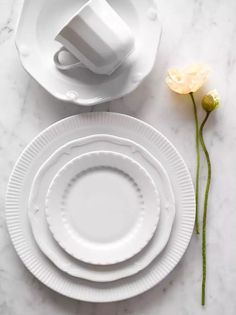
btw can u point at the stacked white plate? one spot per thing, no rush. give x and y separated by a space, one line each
100 207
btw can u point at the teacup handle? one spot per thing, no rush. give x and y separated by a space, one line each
60 66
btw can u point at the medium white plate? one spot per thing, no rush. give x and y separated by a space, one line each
41 148
102 207
40 22
40 228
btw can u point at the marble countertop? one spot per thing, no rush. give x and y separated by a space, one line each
193 31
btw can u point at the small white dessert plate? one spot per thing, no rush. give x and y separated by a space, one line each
41 20
102 207
40 227
41 148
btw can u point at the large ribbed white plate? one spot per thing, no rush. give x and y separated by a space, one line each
39 224
102 207
41 20
41 148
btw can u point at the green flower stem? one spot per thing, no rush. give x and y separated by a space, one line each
204 258
198 164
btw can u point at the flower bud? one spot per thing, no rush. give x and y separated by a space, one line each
211 101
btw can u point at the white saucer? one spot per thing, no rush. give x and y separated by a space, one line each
41 20
40 228
102 207
22 178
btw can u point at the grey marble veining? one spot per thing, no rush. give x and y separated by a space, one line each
193 31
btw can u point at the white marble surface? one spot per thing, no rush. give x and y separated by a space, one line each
193 31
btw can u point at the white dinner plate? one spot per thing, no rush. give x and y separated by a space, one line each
102 207
40 228
41 20
41 148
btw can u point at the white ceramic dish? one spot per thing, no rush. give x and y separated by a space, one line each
40 228
102 207
41 148
39 24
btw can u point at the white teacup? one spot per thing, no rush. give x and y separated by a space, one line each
98 37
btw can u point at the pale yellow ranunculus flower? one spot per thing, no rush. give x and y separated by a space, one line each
187 80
